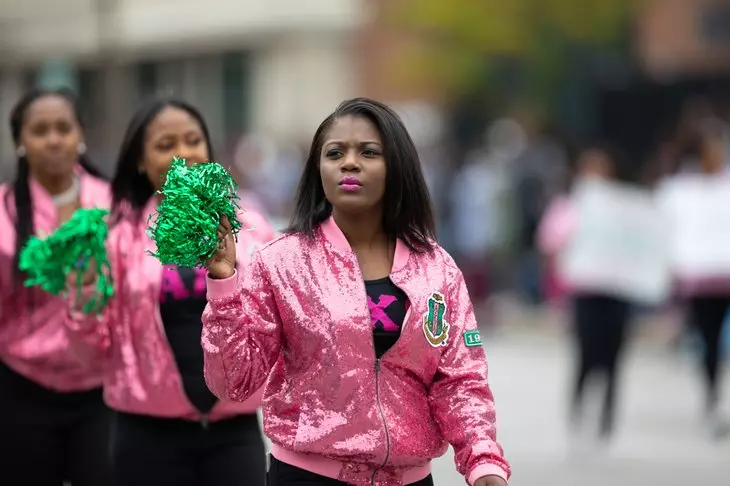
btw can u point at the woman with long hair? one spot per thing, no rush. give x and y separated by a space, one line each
169 429
357 321
53 422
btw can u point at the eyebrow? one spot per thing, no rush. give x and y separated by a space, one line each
340 142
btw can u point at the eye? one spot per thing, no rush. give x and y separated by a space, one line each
333 153
39 130
370 153
65 128
194 140
165 146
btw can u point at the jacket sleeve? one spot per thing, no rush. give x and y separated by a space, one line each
241 333
88 334
460 397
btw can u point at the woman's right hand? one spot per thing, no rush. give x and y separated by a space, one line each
223 262
88 278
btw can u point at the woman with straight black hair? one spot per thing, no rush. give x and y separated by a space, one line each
357 321
170 429
54 426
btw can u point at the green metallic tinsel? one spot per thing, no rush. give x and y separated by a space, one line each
194 198
48 261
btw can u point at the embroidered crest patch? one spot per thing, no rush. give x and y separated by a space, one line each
435 327
472 338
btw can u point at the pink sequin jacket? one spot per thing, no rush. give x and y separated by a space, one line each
299 316
140 373
33 342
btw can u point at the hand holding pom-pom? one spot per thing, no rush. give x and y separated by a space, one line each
190 218
223 262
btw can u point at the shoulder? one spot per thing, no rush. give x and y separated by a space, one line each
284 246
257 226
98 190
94 183
437 260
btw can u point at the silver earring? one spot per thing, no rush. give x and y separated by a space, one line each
20 151
81 149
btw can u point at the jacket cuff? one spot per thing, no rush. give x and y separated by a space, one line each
486 470
218 288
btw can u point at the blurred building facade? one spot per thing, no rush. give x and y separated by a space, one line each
678 38
266 65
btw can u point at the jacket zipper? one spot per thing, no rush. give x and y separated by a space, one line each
382 417
377 385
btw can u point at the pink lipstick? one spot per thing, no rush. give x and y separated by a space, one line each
350 184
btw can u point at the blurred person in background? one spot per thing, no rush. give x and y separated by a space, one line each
359 323
478 195
702 157
599 321
170 429
269 171
54 426
540 173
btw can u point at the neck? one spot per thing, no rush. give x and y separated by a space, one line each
364 231
55 185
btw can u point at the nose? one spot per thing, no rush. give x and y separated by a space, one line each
192 155
53 139
350 162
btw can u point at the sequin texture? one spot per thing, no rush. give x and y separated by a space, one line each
33 342
298 316
140 372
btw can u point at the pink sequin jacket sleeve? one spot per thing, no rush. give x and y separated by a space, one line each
461 399
243 324
90 333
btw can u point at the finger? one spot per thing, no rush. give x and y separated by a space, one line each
225 223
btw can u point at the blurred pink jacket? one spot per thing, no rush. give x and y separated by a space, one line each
140 372
299 316
33 342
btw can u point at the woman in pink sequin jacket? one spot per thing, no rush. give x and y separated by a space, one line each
170 430
54 426
357 322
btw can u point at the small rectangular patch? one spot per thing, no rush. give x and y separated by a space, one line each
472 338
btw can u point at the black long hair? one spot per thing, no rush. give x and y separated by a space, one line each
23 205
407 209
130 189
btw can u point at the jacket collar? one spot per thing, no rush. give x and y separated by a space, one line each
337 238
43 201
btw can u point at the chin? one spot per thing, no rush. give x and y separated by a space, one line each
351 207
59 169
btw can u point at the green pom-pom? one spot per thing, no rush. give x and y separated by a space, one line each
194 199
47 262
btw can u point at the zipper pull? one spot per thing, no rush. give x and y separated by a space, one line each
204 422
377 365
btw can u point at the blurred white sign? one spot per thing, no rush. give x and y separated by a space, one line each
619 244
698 208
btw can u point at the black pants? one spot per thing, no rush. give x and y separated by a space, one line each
283 474
600 328
47 438
149 451
707 316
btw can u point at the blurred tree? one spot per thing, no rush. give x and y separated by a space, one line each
462 44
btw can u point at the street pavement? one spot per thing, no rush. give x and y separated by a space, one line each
660 439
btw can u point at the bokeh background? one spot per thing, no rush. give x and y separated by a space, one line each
498 95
